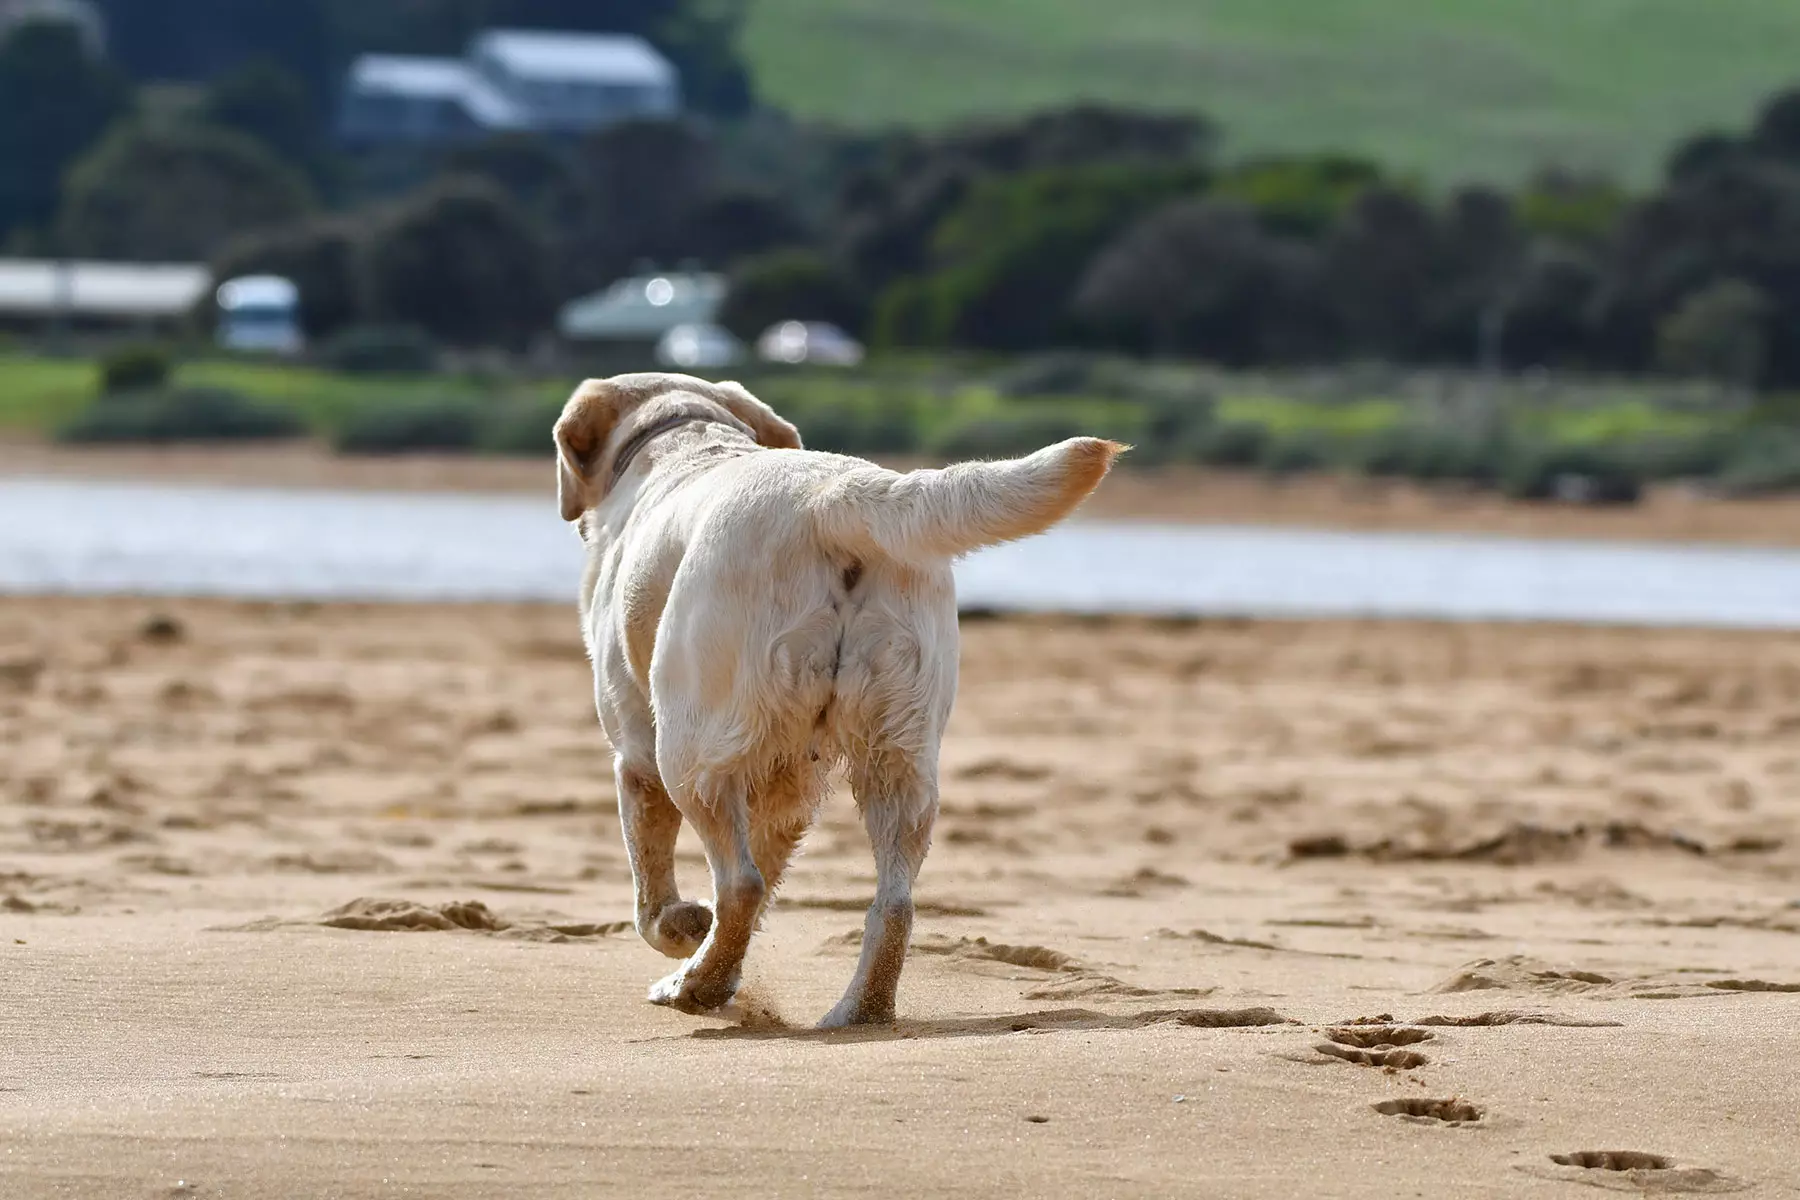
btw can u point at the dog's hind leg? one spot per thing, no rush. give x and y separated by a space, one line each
899 803
718 811
651 823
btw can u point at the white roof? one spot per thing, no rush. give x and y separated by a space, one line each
447 79
410 75
258 291
575 57
31 286
644 306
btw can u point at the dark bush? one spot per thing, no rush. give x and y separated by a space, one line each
1057 373
404 426
1175 429
183 415
790 285
1005 436
1427 452
1231 444
1572 474
850 429
135 368
1296 454
380 349
522 428
1764 464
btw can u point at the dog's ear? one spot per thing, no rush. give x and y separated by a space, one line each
587 421
766 425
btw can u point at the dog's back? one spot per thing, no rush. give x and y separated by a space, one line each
814 611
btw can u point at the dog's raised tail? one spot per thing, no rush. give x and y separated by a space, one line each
927 516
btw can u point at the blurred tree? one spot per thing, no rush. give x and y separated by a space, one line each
888 209
1571 206
1201 277
265 101
321 257
55 102
1012 253
1703 152
1383 262
1548 322
1303 195
1776 133
790 285
461 261
530 168
1720 332
735 223
203 39
639 184
176 194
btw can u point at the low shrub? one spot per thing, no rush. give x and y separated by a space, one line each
521 428
1005 436
1765 464
859 429
1596 474
410 426
1230 444
380 350
182 415
135 368
1429 453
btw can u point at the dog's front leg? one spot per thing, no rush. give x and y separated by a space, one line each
719 812
898 810
651 823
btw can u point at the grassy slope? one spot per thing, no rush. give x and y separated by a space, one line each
1450 89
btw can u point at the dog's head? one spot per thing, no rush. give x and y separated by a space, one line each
603 413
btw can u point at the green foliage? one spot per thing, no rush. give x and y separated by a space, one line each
266 102
1720 332
321 257
1577 208
400 427
379 350
1303 195
790 285
462 262
1013 251
180 415
55 101
135 368
176 194
1005 435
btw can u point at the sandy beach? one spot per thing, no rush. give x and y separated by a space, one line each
303 900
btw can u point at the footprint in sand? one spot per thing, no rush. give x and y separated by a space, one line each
1430 1112
1634 1171
1376 1046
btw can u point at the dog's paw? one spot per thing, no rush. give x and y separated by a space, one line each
678 929
687 992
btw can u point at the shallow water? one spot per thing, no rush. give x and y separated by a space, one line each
78 537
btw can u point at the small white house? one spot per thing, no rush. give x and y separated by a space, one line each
259 314
509 79
642 308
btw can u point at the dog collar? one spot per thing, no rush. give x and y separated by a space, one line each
634 445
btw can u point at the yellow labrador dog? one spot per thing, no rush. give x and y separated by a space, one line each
758 614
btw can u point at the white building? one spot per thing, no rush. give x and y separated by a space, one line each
35 292
509 80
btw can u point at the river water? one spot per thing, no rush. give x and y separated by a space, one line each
79 537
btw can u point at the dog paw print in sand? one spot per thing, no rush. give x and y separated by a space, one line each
1633 1171
1383 1046
1422 1111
